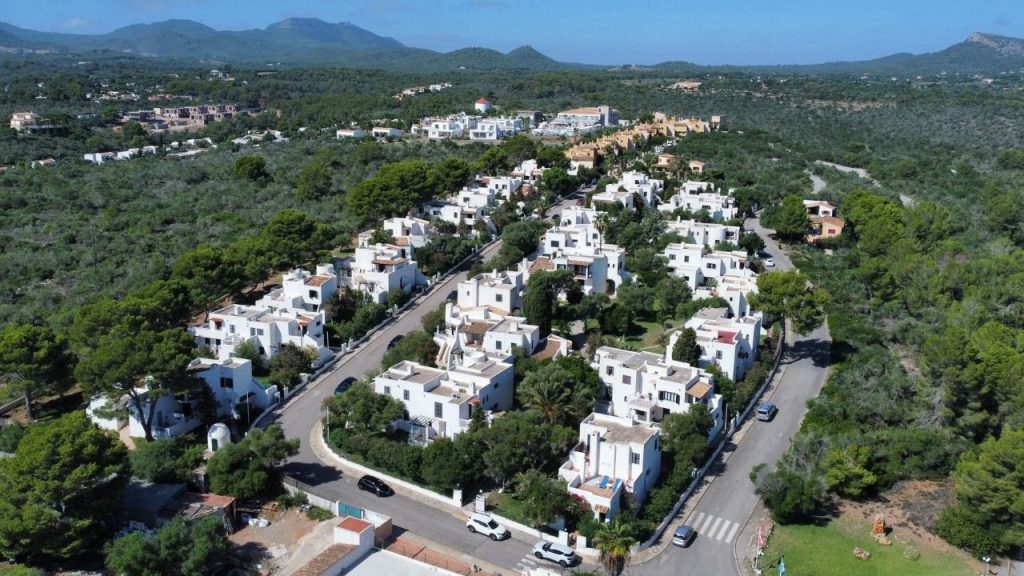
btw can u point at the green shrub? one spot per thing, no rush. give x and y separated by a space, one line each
319 514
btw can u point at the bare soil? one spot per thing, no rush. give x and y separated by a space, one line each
910 509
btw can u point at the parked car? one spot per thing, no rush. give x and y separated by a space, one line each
766 411
394 341
484 524
453 296
561 555
344 385
683 536
769 263
375 485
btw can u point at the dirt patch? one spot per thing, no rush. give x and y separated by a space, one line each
275 543
910 510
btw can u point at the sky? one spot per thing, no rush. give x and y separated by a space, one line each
706 32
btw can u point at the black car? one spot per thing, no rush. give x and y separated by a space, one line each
453 296
394 341
345 384
375 485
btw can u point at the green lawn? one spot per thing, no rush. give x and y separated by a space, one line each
828 550
644 336
508 506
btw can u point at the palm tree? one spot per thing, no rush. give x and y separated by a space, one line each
546 391
615 544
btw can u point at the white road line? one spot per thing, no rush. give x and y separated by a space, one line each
732 533
714 527
529 562
721 532
699 518
707 521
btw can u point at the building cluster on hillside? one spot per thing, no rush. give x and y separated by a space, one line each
184 118
696 196
578 121
465 126
181 148
417 90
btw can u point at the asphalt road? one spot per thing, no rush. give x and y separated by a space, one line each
729 500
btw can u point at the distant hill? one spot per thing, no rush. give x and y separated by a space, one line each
295 41
309 41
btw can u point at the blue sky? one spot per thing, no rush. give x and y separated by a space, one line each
593 32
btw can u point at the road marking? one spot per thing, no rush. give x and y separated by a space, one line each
732 533
707 522
721 532
714 527
699 518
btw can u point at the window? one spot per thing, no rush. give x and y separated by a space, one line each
387 389
718 354
259 331
710 265
554 243
226 382
609 370
252 331
626 379
497 344
634 457
499 297
231 328
671 256
686 258
313 295
744 355
405 394
438 410
668 396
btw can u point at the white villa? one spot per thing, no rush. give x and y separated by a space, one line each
647 387
380 268
234 388
704 233
701 267
271 329
734 289
729 343
576 245
406 232
494 335
302 291
529 171
630 184
439 403
496 293
696 196
614 455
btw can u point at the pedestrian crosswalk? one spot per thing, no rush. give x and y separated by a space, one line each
714 528
526 565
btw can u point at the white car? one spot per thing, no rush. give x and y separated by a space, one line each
561 555
769 263
484 524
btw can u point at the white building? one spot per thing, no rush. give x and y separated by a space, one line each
405 232
439 403
380 268
496 335
482 105
350 133
729 343
734 290
701 267
237 393
270 329
629 186
500 293
454 126
529 172
456 213
704 233
647 387
697 196
385 132
576 245
302 291
614 455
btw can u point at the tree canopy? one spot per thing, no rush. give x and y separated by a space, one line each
789 294
64 477
249 468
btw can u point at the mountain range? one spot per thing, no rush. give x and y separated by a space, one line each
310 41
